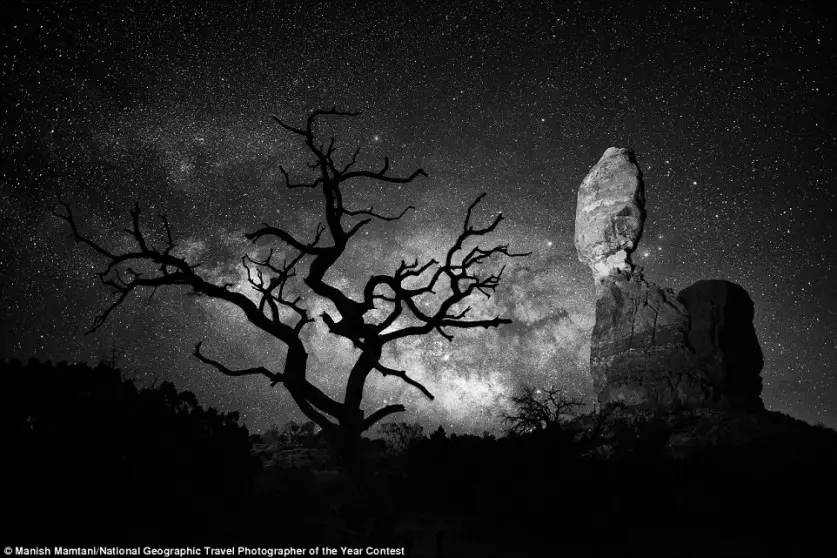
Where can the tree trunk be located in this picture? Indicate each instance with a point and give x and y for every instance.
(351, 426)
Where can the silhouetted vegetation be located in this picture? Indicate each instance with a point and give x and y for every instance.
(634, 481)
(400, 436)
(292, 434)
(90, 457)
(540, 410)
(406, 303)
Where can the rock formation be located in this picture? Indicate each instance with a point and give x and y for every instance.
(639, 352)
(649, 345)
(724, 341)
(610, 214)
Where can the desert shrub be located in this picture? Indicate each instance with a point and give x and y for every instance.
(400, 436)
(291, 435)
(93, 457)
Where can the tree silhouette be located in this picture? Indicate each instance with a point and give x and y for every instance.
(398, 295)
(537, 410)
(294, 434)
(400, 436)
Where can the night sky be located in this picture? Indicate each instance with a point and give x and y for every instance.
(730, 109)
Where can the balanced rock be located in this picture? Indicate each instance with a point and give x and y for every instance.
(610, 213)
(650, 346)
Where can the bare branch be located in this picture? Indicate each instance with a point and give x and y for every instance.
(372, 213)
(172, 271)
(381, 414)
(385, 298)
(387, 371)
(389, 320)
(357, 226)
(308, 132)
(412, 270)
(443, 333)
(330, 151)
(274, 377)
(284, 236)
(290, 128)
(135, 231)
(100, 319)
(465, 324)
(460, 315)
(330, 112)
(169, 239)
(291, 186)
(381, 175)
(461, 278)
(274, 291)
(351, 163)
(76, 234)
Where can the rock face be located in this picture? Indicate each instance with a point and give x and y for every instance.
(610, 213)
(639, 352)
(650, 346)
(724, 341)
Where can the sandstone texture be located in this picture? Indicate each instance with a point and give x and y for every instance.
(610, 213)
(650, 346)
(639, 353)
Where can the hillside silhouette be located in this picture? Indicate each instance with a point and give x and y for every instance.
(91, 458)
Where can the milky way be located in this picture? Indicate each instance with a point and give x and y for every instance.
(729, 110)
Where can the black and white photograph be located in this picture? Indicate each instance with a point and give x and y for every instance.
(478, 279)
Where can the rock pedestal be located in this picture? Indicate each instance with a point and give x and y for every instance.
(650, 346)
(639, 352)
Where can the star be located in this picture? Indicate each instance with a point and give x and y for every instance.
(108, 111)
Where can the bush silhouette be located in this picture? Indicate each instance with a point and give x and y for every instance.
(400, 436)
(91, 457)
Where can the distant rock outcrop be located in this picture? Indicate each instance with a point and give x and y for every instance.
(650, 346)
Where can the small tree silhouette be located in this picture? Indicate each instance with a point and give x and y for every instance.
(399, 436)
(294, 434)
(538, 410)
(401, 296)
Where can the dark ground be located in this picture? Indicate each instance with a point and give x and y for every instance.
(90, 459)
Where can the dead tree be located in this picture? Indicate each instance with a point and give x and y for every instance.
(539, 410)
(396, 294)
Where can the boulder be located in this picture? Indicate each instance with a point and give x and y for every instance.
(610, 213)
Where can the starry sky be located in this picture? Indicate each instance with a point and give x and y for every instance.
(729, 107)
